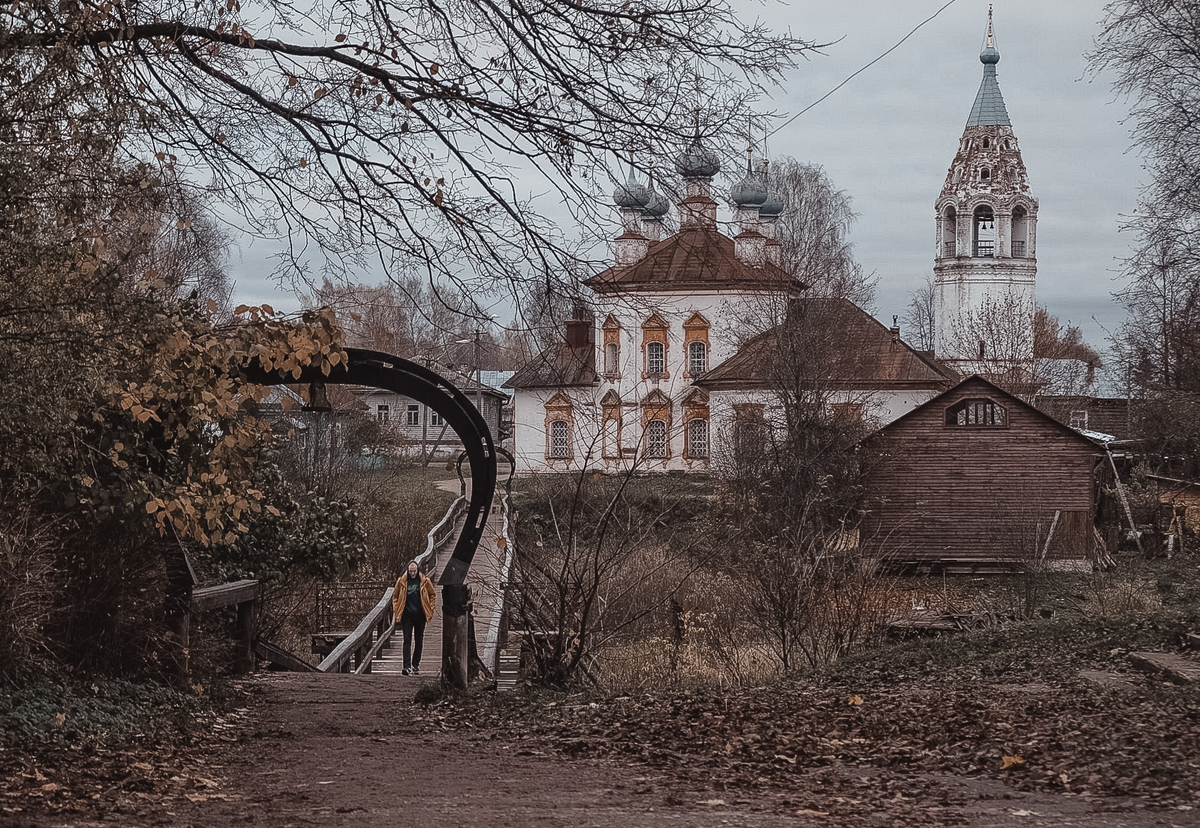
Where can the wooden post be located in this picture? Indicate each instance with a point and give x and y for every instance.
(456, 607)
(247, 612)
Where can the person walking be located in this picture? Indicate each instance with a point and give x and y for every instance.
(413, 602)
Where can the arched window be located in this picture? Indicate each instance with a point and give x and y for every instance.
(697, 358)
(986, 143)
(560, 439)
(610, 358)
(1020, 233)
(985, 174)
(980, 412)
(656, 359)
(656, 439)
(697, 436)
(949, 232)
(612, 346)
(984, 232)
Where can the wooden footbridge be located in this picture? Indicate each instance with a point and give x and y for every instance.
(468, 553)
(376, 645)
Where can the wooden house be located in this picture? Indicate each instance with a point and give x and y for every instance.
(975, 478)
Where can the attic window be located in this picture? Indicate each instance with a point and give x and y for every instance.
(981, 413)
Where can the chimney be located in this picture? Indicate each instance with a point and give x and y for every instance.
(579, 329)
(895, 328)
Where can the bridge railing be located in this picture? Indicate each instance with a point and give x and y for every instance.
(427, 560)
(243, 594)
(356, 651)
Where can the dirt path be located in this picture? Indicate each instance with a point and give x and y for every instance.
(335, 750)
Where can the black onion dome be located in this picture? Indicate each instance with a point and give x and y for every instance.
(656, 206)
(697, 161)
(631, 195)
(751, 191)
(772, 207)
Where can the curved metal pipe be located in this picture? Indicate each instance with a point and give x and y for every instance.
(392, 373)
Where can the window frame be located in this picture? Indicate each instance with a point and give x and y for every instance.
(383, 412)
(412, 414)
(563, 450)
(983, 410)
(694, 347)
(703, 453)
(651, 439)
(651, 347)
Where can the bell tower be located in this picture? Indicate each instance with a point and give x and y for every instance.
(985, 265)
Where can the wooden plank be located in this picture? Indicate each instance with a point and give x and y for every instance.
(1177, 668)
(223, 595)
(282, 658)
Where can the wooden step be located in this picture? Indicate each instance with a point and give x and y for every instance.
(1177, 668)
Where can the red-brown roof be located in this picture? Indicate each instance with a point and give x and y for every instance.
(692, 259)
(843, 345)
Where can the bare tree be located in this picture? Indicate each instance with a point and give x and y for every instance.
(814, 231)
(387, 133)
(921, 316)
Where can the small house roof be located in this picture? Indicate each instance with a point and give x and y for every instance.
(991, 390)
(558, 366)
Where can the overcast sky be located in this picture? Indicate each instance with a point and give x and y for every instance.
(888, 137)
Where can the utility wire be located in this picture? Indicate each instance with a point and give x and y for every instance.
(898, 44)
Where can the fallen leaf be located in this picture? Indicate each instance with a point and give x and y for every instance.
(810, 812)
(854, 700)
(60, 719)
(1011, 761)
(791, 760)
(713, 802)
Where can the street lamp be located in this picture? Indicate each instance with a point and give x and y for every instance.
(478, 372)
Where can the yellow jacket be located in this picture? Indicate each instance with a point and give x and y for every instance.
(428, 596)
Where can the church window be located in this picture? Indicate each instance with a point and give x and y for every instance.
(654, 347)
(986, 143)
(977, 413)
(656, 439)
(985, 174)
(612, 347)
(697, 358)
(435, 419)
(656, 359)
(984, 232)
(697, 438)
(560, 439)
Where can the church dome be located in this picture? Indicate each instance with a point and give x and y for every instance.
(631, 195)
(697, 161)
(656, 206)
(771, 208)
(751, 191)
(989, 56)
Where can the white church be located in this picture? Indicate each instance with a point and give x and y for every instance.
(668, 362)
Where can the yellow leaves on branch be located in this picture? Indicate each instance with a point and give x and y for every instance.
(188, 406)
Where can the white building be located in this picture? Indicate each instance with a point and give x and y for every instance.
(685, 334)
(985, 266)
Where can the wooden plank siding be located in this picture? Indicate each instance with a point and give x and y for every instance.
(938, 493)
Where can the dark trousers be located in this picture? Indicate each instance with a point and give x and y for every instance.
(413, 627)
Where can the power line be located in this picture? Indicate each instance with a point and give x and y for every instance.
(862, 69)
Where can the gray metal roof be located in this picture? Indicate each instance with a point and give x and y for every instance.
(988, 109)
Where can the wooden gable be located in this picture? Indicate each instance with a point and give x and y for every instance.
(975, 475)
